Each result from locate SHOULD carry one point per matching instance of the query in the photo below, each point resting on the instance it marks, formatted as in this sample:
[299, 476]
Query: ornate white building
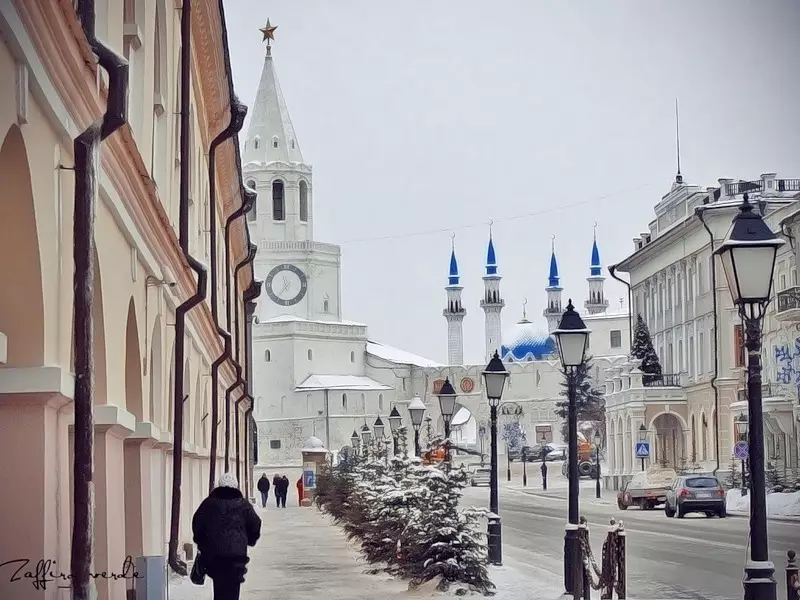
[316, 374]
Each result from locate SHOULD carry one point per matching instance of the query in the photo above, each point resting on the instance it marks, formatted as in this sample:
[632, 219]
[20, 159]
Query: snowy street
[693, 557]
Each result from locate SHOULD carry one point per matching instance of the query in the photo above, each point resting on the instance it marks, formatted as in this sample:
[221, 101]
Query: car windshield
[482, 471]
[702, 482]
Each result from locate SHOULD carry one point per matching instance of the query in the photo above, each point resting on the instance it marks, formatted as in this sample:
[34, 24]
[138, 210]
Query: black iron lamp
[378, 428]
[447, 401]
[642, 433]
[572, 338]
[366, 434]
[395, 421]
[416, 408]
[494, 380]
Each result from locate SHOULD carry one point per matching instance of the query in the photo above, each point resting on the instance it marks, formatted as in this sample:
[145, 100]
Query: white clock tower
[301, 277]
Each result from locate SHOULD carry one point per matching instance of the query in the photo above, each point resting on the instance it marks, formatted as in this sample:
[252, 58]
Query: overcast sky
[426, 118]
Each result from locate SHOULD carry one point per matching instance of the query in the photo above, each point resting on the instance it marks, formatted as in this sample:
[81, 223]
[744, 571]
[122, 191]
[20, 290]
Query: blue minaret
[553, 312]
[596, 303]
[492, 303]
[454, 312]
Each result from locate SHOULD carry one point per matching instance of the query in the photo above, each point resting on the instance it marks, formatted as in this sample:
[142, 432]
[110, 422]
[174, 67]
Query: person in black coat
[276, 486]
[224, 525]
[284, 490]
[263, 487]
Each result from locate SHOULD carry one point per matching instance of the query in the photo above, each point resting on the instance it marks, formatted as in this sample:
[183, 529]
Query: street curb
[779, 519]
[554, 497]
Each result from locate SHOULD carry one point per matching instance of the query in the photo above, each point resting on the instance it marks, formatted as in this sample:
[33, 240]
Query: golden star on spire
[269, 32]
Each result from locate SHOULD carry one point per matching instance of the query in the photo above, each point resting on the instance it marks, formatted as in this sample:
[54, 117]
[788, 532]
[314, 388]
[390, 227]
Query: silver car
[481, 476]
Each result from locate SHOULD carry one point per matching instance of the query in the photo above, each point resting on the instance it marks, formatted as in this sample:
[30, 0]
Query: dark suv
[695, 493]
[531, 453]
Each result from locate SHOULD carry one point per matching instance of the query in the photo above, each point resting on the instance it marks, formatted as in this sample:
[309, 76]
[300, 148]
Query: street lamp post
[416, 409]
[524, 466]
[494, 378]
[742, 423]
[447, 405]
[642, 438]
[354, 440]
[572, 338]
[395, 423]
[748, 260]
[378, 428]
[544, 462]
[597, 441]
[366, 437]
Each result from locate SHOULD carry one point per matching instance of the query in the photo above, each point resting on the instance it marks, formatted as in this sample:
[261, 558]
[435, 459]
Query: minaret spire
[492, 303]
[454, 312]
[596, 303]
[553, 310]
[678, 176]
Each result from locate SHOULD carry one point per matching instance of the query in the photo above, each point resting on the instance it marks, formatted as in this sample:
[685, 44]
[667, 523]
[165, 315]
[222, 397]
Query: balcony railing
[768, 390]
[788, 299]
[670, 380]
[781, 185]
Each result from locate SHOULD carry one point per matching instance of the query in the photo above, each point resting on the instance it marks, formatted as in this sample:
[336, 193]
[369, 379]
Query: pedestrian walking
[263, 487]
[224, 525]
[284, 490]
[276, 489]
[300, 491]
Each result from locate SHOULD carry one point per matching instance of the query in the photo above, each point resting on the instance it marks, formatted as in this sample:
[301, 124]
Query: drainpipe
[327, 419]
[250, 307]
[86, 149]
[238, 112]
[251, 293]
[699, 213]
[612, 270]
[237, 366]
[180, 313]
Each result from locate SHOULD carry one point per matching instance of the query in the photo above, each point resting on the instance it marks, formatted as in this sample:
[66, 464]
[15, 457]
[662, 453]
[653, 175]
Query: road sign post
[642, 451]
[741, 451]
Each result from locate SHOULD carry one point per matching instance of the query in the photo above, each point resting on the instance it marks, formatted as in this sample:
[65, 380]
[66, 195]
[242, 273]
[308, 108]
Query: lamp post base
[572, 559]
[759, 581]
[495, 541]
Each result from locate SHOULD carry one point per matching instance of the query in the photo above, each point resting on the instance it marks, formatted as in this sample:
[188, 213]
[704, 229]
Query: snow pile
[182, 588]
[779, 504]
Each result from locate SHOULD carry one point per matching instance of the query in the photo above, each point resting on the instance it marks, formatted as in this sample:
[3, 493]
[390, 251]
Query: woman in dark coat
[224, 526]
[276, 487]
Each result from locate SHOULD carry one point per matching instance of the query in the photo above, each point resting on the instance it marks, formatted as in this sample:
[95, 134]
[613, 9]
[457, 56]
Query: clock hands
[286, 285]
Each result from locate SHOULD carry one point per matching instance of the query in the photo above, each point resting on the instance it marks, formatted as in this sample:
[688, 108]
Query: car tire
[585, 469]
[668, 511]
[722, 514]
[621, 505]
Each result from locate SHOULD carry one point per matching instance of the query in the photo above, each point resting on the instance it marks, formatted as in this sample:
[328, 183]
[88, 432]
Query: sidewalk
[302, 555]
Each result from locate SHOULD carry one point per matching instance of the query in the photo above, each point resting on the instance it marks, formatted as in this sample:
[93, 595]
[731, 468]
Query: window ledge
[132, 35]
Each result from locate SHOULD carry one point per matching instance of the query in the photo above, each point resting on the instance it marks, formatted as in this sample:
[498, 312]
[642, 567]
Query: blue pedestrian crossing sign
[642, 449]
[309, 480]
[740, 450]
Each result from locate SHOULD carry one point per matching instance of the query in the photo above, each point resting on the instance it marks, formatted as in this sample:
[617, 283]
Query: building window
[363, 402]
[275, 141]
[278, 204]
[274, 444]
[680, 356]
[352, 356]
[783, 282]
[669, 294]
[283, 403]
[255, 143]
[678, 291]
[701, 284]
[738, 346]
[325, 305]
[344, 401]
[292, 144]
[303, 201]
[690, 284]
[267, 356]
[701, 354]
[251, 216]
[616, 338]
[691, 357]
[310, 354]
[380, 401]
[308, 403]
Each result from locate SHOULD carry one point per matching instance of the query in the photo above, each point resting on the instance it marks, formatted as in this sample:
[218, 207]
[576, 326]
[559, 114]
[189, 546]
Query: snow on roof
[396, 355]
[340, 382]
[296, 319]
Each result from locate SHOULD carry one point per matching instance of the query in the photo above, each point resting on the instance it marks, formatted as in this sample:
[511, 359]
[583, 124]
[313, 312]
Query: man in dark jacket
[276, 487]
[263, 487]
[284, 490]
[224, 526]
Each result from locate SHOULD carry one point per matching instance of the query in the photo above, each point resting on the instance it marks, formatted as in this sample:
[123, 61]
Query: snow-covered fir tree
[440, 540]
[589, 400]
[643, 349]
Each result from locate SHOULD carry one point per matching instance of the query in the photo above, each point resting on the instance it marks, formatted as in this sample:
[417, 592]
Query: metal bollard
[495, 541]
[792, 576]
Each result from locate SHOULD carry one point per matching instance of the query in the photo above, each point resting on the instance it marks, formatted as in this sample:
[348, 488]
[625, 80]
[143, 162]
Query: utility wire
[511, 218]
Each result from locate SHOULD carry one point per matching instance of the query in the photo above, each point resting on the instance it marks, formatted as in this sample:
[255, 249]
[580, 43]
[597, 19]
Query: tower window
[310, 354]
[275, 141]
[292, 144]
[344, 401]
[274, 444]
[352, 356]
[380, 401]
[325, 305]
[303, 201]
[278, 205]
[616, 338]
[251, 216]
[255, 143]
[267, 356]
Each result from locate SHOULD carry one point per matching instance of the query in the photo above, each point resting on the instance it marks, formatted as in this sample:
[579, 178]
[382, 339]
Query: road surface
[692, 558]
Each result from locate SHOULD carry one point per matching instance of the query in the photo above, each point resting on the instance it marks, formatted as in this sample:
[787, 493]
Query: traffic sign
[642, 449]
[740, 450]
[309, 480]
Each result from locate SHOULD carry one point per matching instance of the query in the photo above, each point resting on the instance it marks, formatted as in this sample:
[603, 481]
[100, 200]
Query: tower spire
[678, 176]
[596, 303]
[454, 312]
[492, 302]
[552, 311]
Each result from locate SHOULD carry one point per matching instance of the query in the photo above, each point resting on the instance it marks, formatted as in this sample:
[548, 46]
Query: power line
[511, 218]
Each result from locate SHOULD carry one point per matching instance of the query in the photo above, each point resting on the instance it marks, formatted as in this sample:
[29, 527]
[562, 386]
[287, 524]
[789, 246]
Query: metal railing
[788, 185]
[788, 299]
[792, 576]
[664, 380]
[781, 185]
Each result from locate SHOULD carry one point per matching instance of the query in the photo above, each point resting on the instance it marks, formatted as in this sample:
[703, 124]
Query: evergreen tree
[643, 350]
[589, 400]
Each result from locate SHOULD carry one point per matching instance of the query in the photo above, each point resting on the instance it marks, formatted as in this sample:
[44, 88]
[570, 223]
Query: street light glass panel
[597, 438]
[494, 378]
[447, 400]
[366, 434]
[642, 433]
[354, 439]
[572, 338]
[416, 409]
[395, 420]
[378, 428]
[744, 424]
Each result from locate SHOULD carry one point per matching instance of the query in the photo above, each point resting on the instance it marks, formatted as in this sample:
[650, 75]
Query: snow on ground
[779, 504]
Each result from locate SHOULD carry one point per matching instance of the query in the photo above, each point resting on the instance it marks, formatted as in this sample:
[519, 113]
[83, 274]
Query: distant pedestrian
[300, 491]
[224, 526]
[284, 490]
[276, 489]
[263, 487]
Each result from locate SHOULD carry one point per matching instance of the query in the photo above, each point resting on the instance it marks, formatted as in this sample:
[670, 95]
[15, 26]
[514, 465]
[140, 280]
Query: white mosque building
[315, 373]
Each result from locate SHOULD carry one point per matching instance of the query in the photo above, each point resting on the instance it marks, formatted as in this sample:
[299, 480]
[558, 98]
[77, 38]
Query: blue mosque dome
[524, 342]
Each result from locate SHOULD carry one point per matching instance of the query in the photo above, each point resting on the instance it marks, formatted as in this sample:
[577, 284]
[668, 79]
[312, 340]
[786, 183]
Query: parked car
[646, 489]
[481, 476]
[696, 493]
[531, 453]
[557, 452]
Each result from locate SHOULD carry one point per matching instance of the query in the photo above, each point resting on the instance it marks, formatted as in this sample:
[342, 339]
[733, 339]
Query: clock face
[286, 285]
